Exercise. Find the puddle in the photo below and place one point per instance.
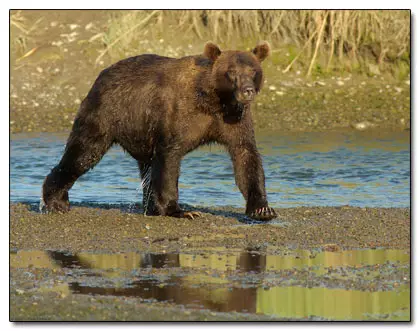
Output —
(233, 281)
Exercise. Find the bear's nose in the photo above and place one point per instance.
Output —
(249, 92)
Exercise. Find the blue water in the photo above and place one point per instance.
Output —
(301, 169)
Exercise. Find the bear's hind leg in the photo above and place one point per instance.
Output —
(81, 154)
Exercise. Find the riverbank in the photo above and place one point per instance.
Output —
(54, 66)
(83, 263)
(114, 230)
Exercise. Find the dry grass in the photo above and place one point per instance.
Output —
(324, 39)
(21, 31)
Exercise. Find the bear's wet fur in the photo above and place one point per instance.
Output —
(159, 109)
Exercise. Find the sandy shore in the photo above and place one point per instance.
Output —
(114, 230)
(37, 285)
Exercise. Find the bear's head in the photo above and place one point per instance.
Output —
(237, 76)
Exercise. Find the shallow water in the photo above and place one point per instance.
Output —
(301, 169)
(240, 281)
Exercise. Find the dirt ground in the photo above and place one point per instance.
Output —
(34, 290)
(48, 85)
(114, 230)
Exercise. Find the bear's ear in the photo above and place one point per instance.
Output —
(212, 51)
(262, 50)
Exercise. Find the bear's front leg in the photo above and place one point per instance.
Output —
(249, 176)
(164, 184)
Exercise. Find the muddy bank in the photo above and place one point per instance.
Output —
(116, 264)
(48, 85)
(114, 230)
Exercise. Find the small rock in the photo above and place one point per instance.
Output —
(362, 125)
(73, 26)
(272, 88)
(331, 248)
(54, 24)
(398, 89)
(407, 82)
(20, 292)
(89, 26)
(319, 83)
(340, 83)
(57, 43)
(39, 69)
(280, 93)
(77, 101)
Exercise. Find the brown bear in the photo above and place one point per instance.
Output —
(159, 109)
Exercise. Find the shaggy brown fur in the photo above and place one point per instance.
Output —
(159, 109)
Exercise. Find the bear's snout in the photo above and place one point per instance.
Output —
(248, 93)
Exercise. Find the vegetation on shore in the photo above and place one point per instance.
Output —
(320, 41)
(328, 69)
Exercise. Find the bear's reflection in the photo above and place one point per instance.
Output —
(196, 290)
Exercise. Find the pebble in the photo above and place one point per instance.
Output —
(340, 83)
(39, 69)
(20, 292)
(73, 26)
(57, 43)
(398, 89)
(89, 26)
(319, 83)
(280, 93)
(272, 88)
(407, 82)
(362, 125)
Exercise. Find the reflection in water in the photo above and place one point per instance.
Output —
(302, 169)
(196, 281)
(337, 304)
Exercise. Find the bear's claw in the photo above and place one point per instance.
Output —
(190, 214)
(264, 214)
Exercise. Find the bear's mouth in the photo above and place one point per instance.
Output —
(244, 97)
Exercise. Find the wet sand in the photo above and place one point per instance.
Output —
(115, 230)
(90, 234)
